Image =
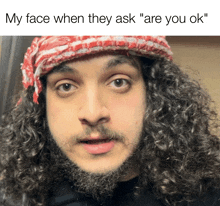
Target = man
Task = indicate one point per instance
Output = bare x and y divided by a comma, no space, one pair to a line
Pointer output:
108,120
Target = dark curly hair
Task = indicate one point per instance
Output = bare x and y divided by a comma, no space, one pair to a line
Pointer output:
180,156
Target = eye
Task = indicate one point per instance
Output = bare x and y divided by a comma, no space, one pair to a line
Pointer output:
121,85
65,89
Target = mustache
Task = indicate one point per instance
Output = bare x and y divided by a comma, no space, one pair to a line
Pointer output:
104,133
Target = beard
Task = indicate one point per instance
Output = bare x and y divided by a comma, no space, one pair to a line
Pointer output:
97,185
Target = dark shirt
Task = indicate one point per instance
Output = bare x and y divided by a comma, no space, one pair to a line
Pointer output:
64,195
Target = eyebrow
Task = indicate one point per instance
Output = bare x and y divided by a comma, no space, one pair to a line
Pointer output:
63,68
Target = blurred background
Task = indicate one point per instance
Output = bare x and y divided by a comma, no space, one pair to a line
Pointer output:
197,55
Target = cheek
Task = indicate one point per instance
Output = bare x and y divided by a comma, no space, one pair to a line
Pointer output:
61,120
54,114
128,114
54,118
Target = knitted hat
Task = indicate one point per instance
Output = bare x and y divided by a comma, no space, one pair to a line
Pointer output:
47,52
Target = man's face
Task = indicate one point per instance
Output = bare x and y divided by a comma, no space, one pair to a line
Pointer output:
95,111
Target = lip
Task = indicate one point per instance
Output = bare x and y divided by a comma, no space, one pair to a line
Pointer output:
96,147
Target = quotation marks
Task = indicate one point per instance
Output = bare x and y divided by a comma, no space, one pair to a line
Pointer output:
174,18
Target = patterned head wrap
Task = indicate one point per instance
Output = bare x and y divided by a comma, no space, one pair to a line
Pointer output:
47,52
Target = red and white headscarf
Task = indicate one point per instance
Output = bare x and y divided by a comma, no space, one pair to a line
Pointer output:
47,52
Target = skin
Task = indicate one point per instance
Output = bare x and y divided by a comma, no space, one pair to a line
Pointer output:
91,92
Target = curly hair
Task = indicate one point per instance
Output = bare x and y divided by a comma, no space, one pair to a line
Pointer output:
180,156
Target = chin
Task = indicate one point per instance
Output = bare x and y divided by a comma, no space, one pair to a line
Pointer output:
122,168
100,168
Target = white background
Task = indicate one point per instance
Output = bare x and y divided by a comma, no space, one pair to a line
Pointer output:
187,8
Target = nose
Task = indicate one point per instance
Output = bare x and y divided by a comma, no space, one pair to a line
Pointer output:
93,110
